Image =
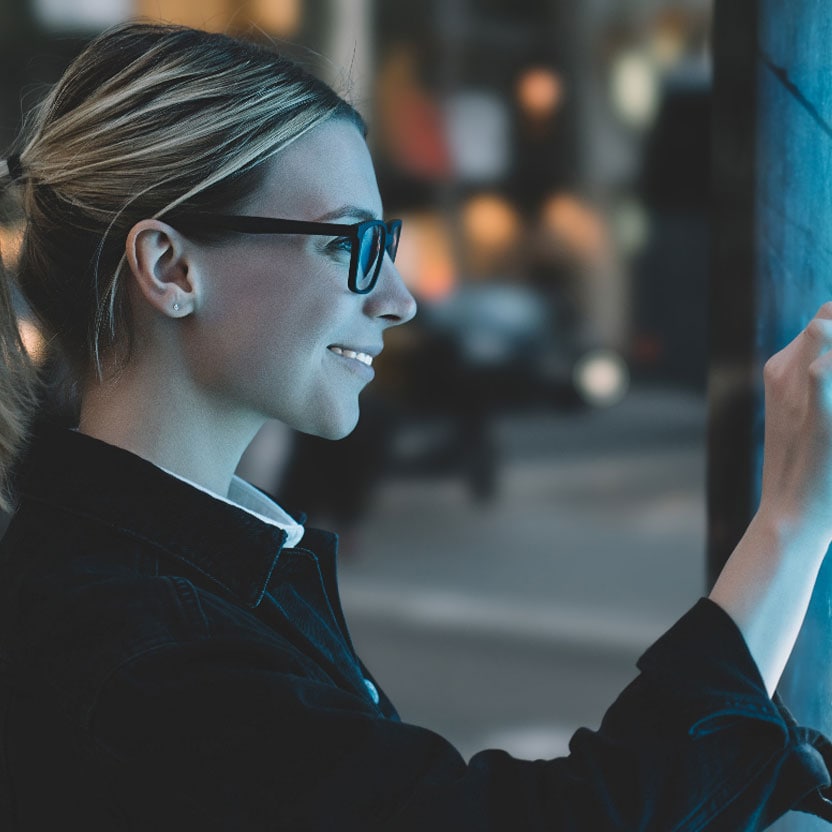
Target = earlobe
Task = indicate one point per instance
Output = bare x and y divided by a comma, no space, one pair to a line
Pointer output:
159,266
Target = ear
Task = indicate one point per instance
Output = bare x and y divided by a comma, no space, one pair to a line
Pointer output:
157,256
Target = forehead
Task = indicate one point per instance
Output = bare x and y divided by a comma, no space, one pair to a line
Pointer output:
326,168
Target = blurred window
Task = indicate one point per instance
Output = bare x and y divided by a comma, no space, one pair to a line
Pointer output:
80,15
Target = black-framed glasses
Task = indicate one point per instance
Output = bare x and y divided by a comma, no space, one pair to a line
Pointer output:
370,239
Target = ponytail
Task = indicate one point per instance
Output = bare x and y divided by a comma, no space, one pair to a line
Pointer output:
18,378
149,120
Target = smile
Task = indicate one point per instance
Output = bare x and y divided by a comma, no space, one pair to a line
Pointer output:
358,356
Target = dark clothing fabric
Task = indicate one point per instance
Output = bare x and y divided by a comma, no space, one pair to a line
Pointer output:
168,665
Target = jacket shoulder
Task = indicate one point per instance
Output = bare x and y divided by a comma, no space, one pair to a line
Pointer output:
74,607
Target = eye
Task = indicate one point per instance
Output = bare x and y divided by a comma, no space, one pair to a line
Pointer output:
340,244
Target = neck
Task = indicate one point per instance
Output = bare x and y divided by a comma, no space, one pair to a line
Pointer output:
168,423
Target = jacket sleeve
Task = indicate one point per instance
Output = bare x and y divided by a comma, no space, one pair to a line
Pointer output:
221,736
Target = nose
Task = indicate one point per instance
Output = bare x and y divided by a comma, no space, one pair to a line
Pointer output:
390,298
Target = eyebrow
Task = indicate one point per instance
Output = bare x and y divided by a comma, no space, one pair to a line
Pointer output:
348,211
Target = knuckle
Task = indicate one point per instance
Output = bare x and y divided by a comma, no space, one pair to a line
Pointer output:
771,369
826,309
818,327
817,371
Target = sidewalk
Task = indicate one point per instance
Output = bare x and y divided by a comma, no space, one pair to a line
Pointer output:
596,540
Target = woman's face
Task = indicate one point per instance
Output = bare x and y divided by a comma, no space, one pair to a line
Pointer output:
273,307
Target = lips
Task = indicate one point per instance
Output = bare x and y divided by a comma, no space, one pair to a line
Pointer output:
364,356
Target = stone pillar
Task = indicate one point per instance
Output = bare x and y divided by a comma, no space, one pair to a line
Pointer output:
772,270
793,231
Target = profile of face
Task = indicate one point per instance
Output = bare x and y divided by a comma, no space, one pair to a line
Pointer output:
268,323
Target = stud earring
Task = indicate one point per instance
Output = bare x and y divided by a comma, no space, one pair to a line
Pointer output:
175,307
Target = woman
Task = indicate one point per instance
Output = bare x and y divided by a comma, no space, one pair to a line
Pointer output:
174,655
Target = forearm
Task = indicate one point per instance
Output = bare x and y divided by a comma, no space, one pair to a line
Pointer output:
766,586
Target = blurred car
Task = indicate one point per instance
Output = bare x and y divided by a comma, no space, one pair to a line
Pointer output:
486,349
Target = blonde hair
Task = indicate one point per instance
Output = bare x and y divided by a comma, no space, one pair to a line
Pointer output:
149,120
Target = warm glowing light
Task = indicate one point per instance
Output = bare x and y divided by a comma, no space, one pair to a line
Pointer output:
634,88
668,35
539,92
601,377
491,224
211,15
425,259
33,342
412,129
575,226
278,17
667,47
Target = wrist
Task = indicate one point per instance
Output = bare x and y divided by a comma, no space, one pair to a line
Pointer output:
767,582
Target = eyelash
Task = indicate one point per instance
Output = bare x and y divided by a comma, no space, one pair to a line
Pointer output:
340,245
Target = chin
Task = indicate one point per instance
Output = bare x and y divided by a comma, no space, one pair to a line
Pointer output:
334,435
332,425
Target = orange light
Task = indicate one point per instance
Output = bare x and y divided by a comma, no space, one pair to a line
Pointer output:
668,36
491,224
540,92
575,226
425,259
210,15
277,17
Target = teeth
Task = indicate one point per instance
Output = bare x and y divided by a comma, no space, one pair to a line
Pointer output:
359,356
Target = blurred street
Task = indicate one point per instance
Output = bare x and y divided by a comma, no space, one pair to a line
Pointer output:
550,162
510,624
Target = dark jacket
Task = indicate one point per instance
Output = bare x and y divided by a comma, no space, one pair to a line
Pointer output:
168,665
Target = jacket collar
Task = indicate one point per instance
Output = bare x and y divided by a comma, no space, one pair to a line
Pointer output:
88,477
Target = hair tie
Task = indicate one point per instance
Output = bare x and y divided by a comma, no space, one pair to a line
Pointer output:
15,167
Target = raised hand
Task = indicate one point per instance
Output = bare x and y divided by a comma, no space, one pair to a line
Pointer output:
797,468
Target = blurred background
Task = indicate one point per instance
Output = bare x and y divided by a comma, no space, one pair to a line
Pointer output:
522,507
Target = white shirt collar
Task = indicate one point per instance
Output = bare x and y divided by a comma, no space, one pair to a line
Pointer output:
245,496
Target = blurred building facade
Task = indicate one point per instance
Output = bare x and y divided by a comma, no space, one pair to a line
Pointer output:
549,159
558,147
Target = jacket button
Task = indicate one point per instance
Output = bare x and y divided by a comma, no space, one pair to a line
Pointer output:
371,689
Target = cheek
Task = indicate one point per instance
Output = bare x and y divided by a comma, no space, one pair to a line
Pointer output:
264,328
245,342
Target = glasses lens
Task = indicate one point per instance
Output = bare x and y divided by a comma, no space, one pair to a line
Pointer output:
394,231
370,250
